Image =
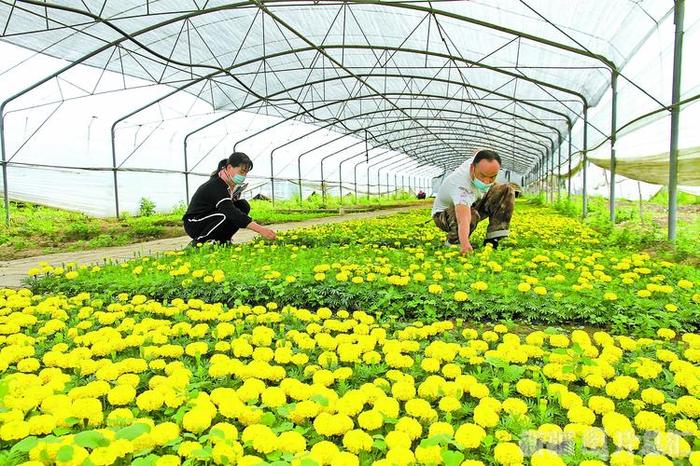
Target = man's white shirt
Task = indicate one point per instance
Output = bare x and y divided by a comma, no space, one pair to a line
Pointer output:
456,188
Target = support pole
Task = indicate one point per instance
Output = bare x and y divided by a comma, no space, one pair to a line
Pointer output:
613,140
114,170
584,161
568,185
559,171
679,11
367,160
4,165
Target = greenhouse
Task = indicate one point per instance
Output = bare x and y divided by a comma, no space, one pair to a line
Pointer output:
359,232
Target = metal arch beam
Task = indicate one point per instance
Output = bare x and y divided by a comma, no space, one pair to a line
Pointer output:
393,141
535,154
443,157
295,51
368,113
266,57
431,10
517,156
514,115
515,75
389,143
360,129
338,138
422,146
417,77
131,36
352,99
426,144
340,171
419,163
322,51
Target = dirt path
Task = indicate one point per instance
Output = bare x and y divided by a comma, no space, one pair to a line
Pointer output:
13,271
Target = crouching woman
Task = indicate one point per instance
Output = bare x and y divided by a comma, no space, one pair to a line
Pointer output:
215,212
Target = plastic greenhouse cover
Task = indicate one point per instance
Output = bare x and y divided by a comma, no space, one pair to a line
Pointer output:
404,61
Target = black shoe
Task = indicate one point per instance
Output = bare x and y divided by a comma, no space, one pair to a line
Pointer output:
493,242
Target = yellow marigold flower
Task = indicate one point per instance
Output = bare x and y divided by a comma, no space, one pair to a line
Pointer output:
687,284
429,455
357,441
622,458
485,416
440,428
646,420
291,442
527,387
434,289
197,420
403,391
370,420
544,457
410,426
398,439
121,395
666,333
540,290
479,286
653,396
469,435
524,287
508,453
460,296
400,457
324,452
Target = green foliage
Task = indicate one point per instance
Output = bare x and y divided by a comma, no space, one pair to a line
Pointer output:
38,229
542,246
146,207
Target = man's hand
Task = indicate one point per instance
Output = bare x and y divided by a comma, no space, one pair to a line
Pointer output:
466,248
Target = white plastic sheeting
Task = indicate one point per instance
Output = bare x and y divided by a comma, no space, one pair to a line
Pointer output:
396,69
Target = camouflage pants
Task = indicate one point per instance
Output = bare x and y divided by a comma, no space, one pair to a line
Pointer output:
497,204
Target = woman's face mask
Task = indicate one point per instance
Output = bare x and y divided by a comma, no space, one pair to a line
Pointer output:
235,175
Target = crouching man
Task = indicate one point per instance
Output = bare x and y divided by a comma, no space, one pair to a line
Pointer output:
471,194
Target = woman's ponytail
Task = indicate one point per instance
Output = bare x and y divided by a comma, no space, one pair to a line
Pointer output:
221,166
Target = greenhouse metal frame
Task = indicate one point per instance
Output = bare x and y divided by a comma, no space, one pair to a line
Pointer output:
345,85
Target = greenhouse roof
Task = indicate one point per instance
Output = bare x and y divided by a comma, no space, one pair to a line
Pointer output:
434,80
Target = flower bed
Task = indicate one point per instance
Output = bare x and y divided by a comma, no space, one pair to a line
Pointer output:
90,380
553,270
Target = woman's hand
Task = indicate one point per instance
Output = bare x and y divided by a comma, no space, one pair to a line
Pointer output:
263,231
267,233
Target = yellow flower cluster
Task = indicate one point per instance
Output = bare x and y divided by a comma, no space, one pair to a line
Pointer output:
257,383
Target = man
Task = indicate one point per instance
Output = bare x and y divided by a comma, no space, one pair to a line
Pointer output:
469,195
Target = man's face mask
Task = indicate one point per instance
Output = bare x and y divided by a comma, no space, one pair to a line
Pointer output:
480,185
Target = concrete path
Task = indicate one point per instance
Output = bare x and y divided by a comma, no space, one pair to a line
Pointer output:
12,272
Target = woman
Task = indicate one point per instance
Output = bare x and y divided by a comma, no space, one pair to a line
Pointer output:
215,213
